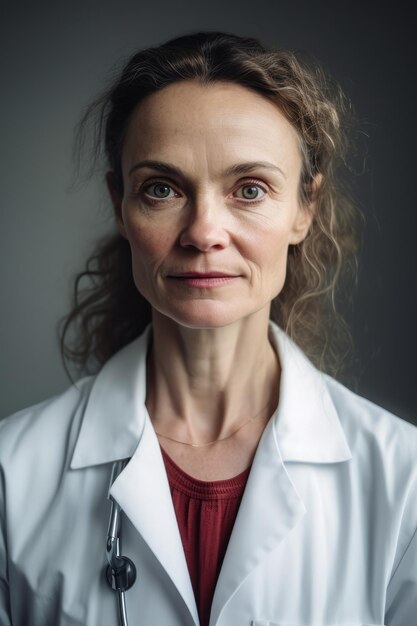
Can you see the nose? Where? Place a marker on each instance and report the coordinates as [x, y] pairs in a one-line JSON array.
[[205, 228]]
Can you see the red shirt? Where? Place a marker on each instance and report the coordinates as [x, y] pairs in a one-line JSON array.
[[206, 512]]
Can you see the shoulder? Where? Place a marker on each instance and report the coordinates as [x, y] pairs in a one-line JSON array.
[[384, 454], [384, 461], [45, 427], [327, 412], [365, 422]]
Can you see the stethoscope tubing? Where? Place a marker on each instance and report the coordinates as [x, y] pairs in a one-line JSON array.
[[115, 561], [122, 607]]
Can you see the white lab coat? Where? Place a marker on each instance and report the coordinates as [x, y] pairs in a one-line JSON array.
[[325, 533]]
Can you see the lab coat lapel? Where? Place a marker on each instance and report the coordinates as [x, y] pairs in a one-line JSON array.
[[305, 429], [269, 510], [116, 425], [143, 492]]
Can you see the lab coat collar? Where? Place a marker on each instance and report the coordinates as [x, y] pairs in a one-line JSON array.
[[306, 423], [115, 414]]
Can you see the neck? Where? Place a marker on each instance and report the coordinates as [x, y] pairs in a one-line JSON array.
[[204, 383]]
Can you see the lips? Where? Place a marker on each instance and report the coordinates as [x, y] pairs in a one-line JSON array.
[[203, 275], [203, 280]]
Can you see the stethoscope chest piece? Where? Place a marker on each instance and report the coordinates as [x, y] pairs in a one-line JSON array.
[[121, 578]]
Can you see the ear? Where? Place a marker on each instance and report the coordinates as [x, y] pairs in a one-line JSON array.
[[116, 198], [306, 212]]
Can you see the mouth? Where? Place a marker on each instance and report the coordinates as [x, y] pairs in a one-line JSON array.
[[203, 275], [203, 279]]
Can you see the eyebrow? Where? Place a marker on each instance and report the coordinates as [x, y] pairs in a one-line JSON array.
[[238, 168]]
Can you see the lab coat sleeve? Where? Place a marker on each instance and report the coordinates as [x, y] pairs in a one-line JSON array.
[[5, 619]]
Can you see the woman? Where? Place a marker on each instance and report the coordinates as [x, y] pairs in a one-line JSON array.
[[253, 487]]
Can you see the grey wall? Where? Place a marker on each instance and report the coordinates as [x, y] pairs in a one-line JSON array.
[[56, 56]]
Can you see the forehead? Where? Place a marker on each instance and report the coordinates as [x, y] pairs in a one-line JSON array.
[[220, 122]]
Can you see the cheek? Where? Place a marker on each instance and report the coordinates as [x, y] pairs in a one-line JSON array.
[[275, 266], [269, 252], [147, 242], [268, 247], [145, 250]]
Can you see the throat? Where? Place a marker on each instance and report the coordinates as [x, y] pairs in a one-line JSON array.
[[199, 394]]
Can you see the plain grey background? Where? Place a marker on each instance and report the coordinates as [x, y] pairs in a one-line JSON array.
[[55, 57]]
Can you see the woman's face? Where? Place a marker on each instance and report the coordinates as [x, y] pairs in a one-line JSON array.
[[210, 202]]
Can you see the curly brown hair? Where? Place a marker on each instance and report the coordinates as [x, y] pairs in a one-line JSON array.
[[108, 311]]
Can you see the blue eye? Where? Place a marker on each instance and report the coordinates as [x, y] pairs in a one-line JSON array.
[[161, 190], [252, 191]]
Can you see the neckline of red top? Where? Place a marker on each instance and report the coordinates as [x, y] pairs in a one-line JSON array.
[[202, 489]]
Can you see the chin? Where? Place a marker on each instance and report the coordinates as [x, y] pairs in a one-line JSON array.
[[203, 314]]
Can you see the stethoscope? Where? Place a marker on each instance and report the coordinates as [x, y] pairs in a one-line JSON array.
[[120, 571]]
